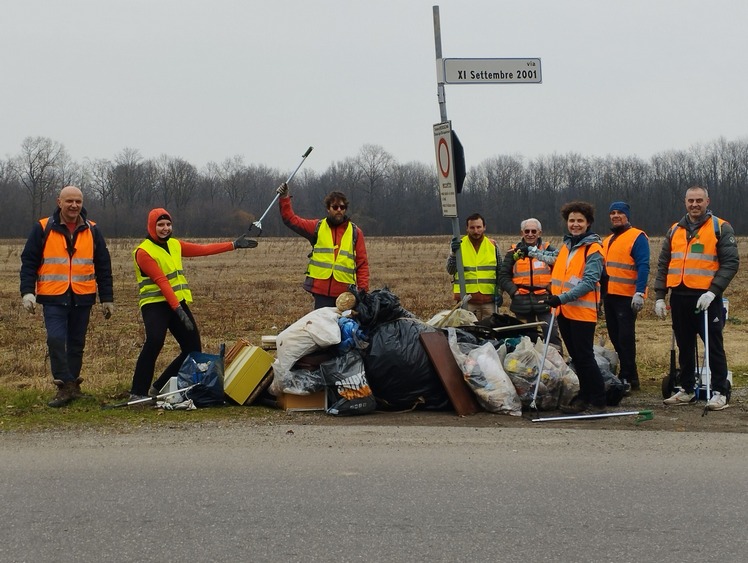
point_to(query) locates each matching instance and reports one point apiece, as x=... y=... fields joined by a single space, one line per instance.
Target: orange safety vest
x=531 y=273
x=568 y=271
x=694 y=262
x=619 y=264
x=59 y=270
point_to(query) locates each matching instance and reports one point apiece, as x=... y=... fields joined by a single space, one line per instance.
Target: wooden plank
x=460 y=395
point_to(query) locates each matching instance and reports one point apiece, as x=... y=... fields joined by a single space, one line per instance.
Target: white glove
x=637 y=302
x=704 y=301
x=282 y=190
x=660 y=308
x=29 y=303
x=107 y=309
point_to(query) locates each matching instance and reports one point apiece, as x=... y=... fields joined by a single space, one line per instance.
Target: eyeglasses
x=530 y=231
x=337 y=207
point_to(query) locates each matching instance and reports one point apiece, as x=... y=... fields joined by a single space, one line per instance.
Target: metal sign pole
x=443 y=113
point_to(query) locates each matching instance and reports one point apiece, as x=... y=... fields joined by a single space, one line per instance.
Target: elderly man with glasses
x=338 y=258
x=528 y=281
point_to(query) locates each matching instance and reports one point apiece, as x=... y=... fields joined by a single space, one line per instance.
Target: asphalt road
x=293 y=492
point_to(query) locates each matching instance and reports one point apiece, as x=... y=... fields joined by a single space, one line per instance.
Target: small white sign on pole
x=445 y=168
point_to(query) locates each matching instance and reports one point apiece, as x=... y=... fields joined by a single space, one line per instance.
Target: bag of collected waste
x=482 y=370
x=557 y=366
x=348 y=391
x=207 y=370
x=378 y=306
x=448 y=318
x=399 y=370
x=522 y=366
x=351 y=335
x=314 y=331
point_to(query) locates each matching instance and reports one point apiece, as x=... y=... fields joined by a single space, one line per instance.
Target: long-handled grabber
x=706 y=369
x=258 y=223
x=533 y=404
x=148 y=400
x=641 y=416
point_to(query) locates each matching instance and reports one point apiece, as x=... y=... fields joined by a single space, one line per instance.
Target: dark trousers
x=158 y=318
x=323 y=300
x=621 y=321
x=66 y=338
x=687 y=324
x=579 y=338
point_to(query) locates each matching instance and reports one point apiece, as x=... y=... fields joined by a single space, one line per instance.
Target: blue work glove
x=455 y=244
x=185 y=318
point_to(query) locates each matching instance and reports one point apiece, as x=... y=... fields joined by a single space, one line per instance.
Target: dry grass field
x=255 y=292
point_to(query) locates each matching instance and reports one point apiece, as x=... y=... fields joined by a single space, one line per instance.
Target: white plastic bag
x=314 y=331
x=482 y=370
x=458 y=317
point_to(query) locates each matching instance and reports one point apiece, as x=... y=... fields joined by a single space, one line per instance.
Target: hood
x=581 y=240
x=153 y=218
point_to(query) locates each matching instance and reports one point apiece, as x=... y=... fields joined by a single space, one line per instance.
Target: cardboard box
x=247 y=369
x=268 y=342
x=296 y=403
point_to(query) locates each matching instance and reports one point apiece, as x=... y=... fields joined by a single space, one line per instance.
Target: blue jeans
x=66 y=338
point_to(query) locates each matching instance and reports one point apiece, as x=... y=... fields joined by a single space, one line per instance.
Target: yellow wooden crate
x=245 y=372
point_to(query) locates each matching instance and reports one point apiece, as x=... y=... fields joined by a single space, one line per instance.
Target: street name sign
x=492 y=71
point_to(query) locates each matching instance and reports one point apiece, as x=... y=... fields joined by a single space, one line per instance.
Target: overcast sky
x=207 y=80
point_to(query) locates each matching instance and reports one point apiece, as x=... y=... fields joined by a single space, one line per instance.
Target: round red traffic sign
x=444 y=159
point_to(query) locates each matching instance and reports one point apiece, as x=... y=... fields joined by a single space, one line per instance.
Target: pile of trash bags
x=371 y=357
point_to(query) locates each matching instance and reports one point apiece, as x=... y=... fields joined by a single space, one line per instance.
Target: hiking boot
x=634 y=384
x=75 y=389
x=718 y=402
x=594 y=409
x=67 y=391
x=575 y=407
x=680 y=398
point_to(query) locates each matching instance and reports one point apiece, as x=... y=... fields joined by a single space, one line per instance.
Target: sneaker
x=718 y=402
x=144 y=398
x=153 y=392
x=680 y=398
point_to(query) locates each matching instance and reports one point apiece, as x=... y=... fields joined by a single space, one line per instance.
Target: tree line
x=388 y=198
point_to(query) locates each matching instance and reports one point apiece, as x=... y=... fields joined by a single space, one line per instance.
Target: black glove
x=185 y=318
x=282 y=190
x=522 y=245
x=455 y=244
x=244 y=242
x=553 y=301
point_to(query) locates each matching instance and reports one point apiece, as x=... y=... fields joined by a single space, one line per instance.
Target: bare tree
x=37 y=169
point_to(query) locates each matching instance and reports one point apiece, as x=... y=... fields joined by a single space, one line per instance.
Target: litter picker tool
x=258 y=223
x=706 y=369
x=147 y=400
x=533 y=404
x=641 y=416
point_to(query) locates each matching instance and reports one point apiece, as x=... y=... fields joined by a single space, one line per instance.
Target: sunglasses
x=530 y=231
x=337 y=207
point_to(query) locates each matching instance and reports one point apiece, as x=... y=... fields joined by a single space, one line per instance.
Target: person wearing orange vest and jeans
x=480 y=261
x=577 y=267
x=64 y=263
x=164 y=297
x=699 y=258
x=528 y=281
x=338 y=259
x=624 y=287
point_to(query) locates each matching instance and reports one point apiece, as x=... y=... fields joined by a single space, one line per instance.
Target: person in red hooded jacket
x=165 y=296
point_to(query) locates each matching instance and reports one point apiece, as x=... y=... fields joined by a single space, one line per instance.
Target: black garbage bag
x=348 y=391
x=503 y=321
x=207 y=370
x=378 y=306
x=399 y=370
